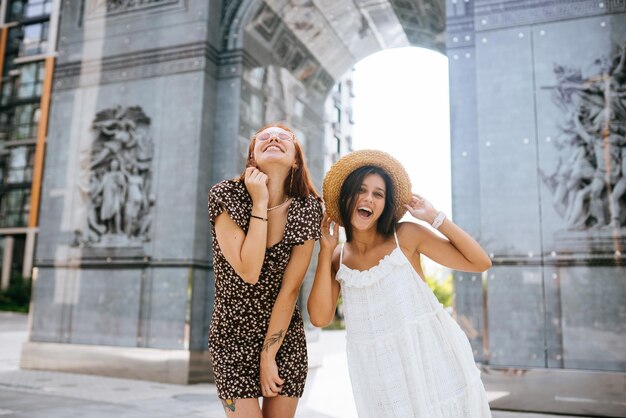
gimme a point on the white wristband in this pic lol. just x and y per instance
(438, 220)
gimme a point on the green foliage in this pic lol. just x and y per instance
(442, 288)
(17, 297)
(338, 322)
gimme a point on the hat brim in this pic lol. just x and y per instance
(336, 176)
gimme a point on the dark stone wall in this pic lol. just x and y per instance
(523, 75)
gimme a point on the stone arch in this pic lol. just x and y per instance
(236, 15)
(394, 23)
(281, 58)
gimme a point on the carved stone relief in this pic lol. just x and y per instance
(588, 185)
(117, 177)
(266, 23)
(289, 51)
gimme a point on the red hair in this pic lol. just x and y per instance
(302, 186)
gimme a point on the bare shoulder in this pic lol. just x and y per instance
(410, 234)
(335, 259)
(410, 228)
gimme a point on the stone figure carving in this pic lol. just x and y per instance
(589, 182)
(118, 170)
(113, 190)
(136, 199)
(118, 137)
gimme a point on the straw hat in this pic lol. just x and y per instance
(341, 169)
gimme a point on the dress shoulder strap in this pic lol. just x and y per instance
(395, 235)
(341, 254)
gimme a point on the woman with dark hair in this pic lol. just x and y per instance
(406, 355)
(264, 226)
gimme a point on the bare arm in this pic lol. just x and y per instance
(459, 251)
(282, 313)
(325, 290)
(246, 252)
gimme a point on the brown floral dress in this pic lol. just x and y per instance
(242, 311)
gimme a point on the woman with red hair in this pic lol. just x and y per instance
(264, 226)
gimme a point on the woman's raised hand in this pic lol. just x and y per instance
(256, 183)
(330, 236)
(421, 209)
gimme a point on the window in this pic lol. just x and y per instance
(256, 107)
(23, 9)
(20, 122)
(14, 41)
(31, 80)
(23, 83)
(16, 165)
(336, 114)
(35, 39)
(350, 87)
(7, 91)
(14, 208)
(30, 39)
(5, 126)
(25, 122)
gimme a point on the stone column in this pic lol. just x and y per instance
(123, 252)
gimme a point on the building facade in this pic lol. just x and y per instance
(27, 48)
(339, 120)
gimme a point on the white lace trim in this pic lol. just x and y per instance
(356, 278)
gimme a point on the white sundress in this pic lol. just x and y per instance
(407, 357)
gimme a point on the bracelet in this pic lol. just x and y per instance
(438, 220)
(258, 217)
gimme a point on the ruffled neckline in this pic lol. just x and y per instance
(363, 278)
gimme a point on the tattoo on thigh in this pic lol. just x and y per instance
(273, 339)
(229, 404)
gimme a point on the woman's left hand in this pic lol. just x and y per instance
(330, 235)
(421, 209)
(271, 383)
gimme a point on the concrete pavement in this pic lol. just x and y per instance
(41, 394)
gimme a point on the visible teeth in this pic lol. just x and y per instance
(272, 147)
(366, 209)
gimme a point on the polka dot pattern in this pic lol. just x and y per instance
(242, 311)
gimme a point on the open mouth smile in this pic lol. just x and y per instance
(273, 147)
(364, 212)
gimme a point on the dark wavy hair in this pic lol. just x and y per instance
(350, 190)
(302, 184)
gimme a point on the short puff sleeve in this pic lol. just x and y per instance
(307, 219)
(230, 196)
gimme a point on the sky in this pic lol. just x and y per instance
(401, 106)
